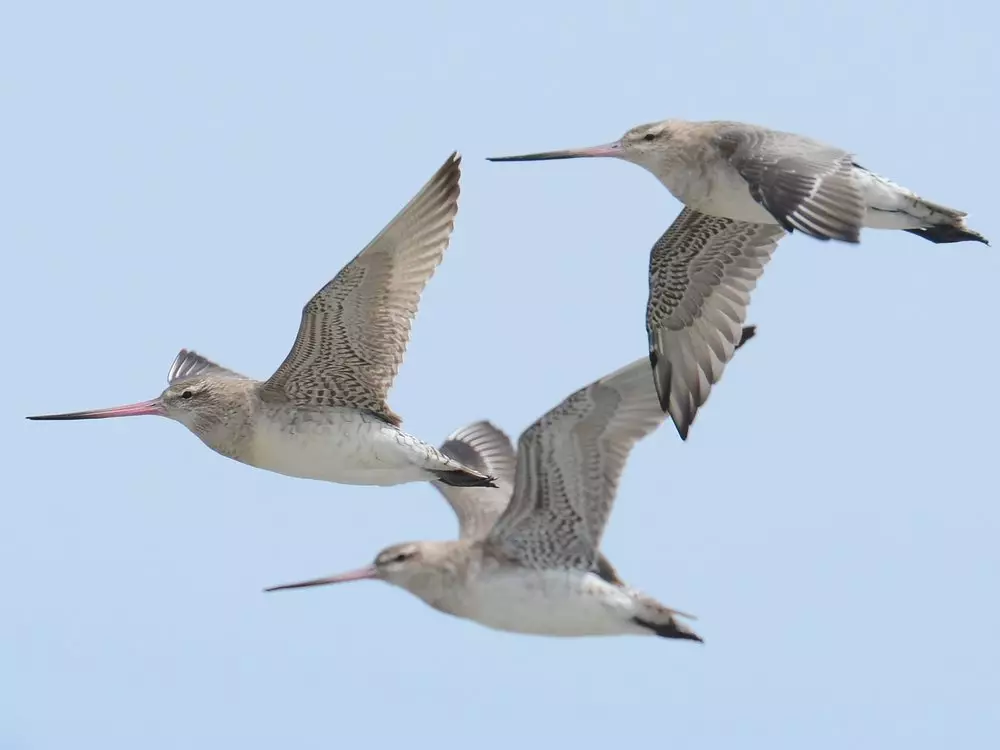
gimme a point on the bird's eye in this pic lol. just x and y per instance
(649, 137)
(187, 394)
(401, 556)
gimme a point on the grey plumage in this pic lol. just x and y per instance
(486, 448)
(188, 364)
(539, 570)
(354, 331)
(751, 173)
(323, 414)
(702, 271)
(568, 467)
(804, 184)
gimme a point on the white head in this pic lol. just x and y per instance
(646, 145)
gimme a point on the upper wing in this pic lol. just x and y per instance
(487, 449)
(804, 184)
(189, 364)
(354, 331)
(568, 468)
(701, 273)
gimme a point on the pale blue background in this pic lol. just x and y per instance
(189, 175)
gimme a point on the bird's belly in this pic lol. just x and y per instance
(347, 448)
(557, 603)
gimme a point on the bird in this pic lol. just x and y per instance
(527, 559)
(702, 271)
(485, 447)
(323, 413)
(751, 173)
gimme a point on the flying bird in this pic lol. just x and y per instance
(528, 556)
(323, 414)
(746, 172)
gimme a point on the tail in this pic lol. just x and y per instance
(671, 628)
(945, 225)
(941, 234)
(663, 620)
(892, 206)
(463, 478)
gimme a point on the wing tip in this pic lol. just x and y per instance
(452, 164)
(662, 376)
(748, 333)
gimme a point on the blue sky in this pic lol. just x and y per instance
(188, 176)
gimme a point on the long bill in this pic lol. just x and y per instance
(608, 149)
(361, 574)
(153, 407)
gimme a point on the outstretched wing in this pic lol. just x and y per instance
(701, 274)
(569, 465)
(354, 331)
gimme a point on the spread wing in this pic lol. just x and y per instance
(189, 364)
(354, 331)
(701, 273)
(487, 449)
(804, 184)
(568, 468)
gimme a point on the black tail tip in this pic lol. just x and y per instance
(670, 629)
(459, 478)
(748, 333)
(944, 234)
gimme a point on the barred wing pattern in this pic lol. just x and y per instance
(701, 274)
(568, 468)
(354, 331)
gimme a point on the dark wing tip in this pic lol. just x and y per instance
(449, 173)
(852, 236)
(748, 333)
(661, 379)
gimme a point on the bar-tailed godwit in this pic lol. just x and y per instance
(751, 173)
(323, 413)
(537, 568)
